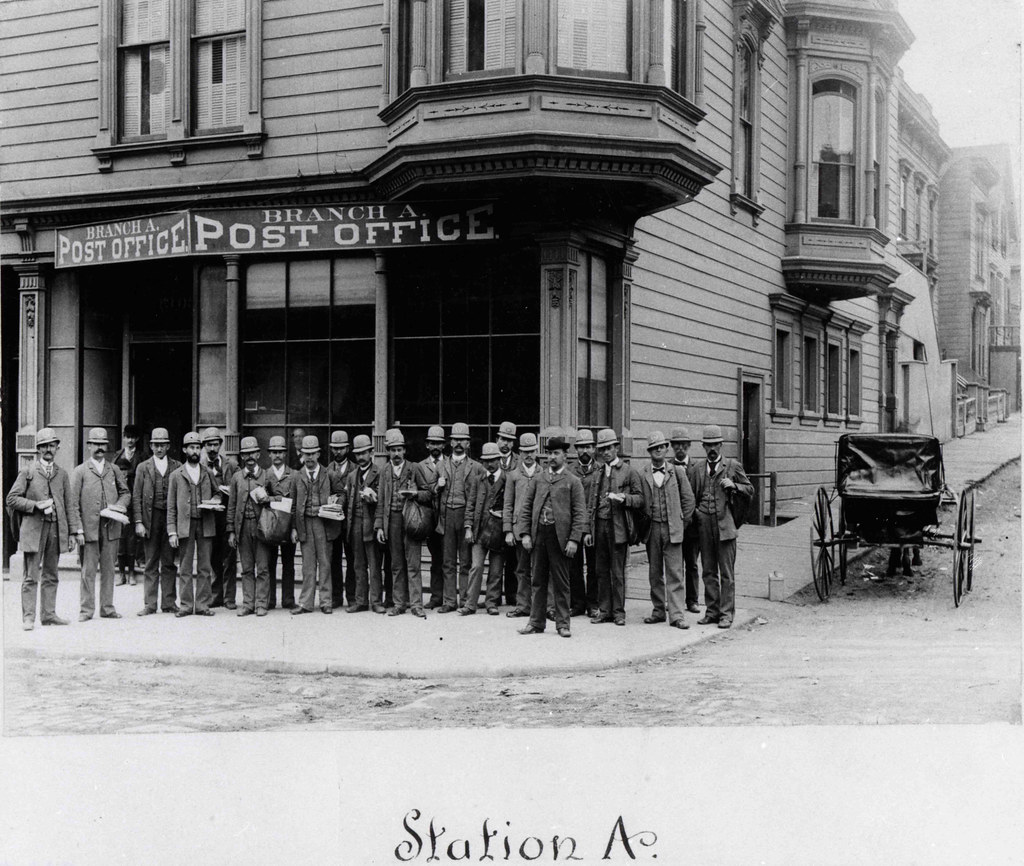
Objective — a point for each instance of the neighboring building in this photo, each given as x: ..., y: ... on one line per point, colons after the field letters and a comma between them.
x: 978, y: 283
x: 631, y: 213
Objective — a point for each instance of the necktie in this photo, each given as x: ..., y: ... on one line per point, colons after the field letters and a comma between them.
x: 490, y: 477
x: 659, y: 476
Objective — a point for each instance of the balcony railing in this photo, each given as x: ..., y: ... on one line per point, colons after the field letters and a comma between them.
x: 1004, y: 335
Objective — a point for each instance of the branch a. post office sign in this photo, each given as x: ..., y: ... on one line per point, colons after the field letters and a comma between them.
x: 228, y: 231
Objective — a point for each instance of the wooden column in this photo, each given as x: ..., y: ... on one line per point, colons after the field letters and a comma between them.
x: 803, y: 107
x: 232, y: 351
x: 621, y: 341
x: 418, y: 72
x: 31, y: 391
x: 870, y: 217
x: 387, y: 87
x: 382, y: 355
x: 559, y: 276
x: 535, y: 19
x: 656, y: 42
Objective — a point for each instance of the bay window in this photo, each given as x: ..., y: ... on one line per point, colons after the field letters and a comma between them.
x: 594, y: 37
x: 480, y: 35
x: 833, y: 150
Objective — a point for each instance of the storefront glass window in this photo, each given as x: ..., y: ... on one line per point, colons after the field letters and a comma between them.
x: 592, y: 350
x: 213, y: 304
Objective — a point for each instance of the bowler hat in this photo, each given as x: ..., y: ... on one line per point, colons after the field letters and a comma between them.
x: 310, y: 444
x: 191, y: 438
x: 393, y: 438
x: 584, y: 437
x: 159, y: 436
x: 607, y: 437
x: 557, y: 443
x: 97, y: 436
x: 490, y: 451
x: 712, y: 435
x: 46, y: 436
x: 528, y: 442
x: 339, y: 439
x: 656, y: 440
x: 679, y: 434
x: 507, y: 430
x: 435, y: 434
x: 249, y: 445
x: 131, y: 430
x: 277, y: 443
x: 360, y: 444
x: 211, y: 434
x: 460, y: 430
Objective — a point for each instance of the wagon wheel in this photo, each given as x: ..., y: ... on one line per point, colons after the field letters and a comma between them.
x: 969, y: 539
x: 843, y: 545
x: 822, y: 537
x: 963, y: 547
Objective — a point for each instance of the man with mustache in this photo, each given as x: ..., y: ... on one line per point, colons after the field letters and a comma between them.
x: 280, y: 485
x: 723, y: 492
x: 361, y: 496
x: 585, y: 596
x: 519, y: 479
x: 343, y: 580
x: 40, y: 501
x: 98, y: 485
x: 483, y: 530
x: 246, y: 500
x: 505, y: 440
x: 680, y: 441
x: 222, y: 555
x: 128, y: 460
x: 149, y: 507
x: 435, y: 543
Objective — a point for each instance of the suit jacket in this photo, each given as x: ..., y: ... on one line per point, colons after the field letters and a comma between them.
x: 679, y: 499
x: 443, y: 496
x: 179, y: 511
x: 328, y: 484
x: 32, y: 486
x: 692, y: 530
x: 145, y: 489
x: 411, y: 477
x: 129, y: 467
x: 565, y: 492
x: 241, y: 486
x: 283, y: 488
x: 515, y: 495
x: 587, y: 476
x: 486, y: 498
x: 369, y: 509
x: 624, y: 479
x: 513, y: 461
x: 335, y: 467
x: 92, y: 491
x: 739, y: 497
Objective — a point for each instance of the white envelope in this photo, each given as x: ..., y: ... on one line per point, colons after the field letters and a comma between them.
x: 119, y: 516
x: 284, y: 505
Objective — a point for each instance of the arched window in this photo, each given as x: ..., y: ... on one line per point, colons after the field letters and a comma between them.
x: 833, y: 179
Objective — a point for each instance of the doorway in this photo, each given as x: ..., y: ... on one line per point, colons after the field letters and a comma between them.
x: 751, y: 443
x: 160, y: 389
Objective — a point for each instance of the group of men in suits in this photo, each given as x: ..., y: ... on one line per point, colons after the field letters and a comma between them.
x: 561, y: 531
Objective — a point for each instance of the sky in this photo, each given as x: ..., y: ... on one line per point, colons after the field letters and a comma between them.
x: 965, y: 60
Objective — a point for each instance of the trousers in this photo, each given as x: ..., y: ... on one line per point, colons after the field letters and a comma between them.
x: 457, y: 556
x: 718, y: 559
x: 287, y: 552
x: 194, y: 544
x: 41, y: 572
x: 495, y: 578
x: 406, y: 564
x: 252, y: 553
x: 549, y: 562
x: 100, y: 553
x: 159, y: 579
x: 691, y: 550
x: 665, y: 572
x: 610, y: 564
x: 524, y: 581
x: 366, y: 558
x: 435, y: 546
x: 316, y: 558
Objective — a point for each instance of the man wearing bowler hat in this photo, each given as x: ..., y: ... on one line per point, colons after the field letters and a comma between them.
x: 401, y: 481
x: 315, y: 488
x: 668, y: 501
x: 361, y: 502
x: 483, y: 530
x: 281, y: 485
x: 617, y: 489
x: 509, y: 460
x: 552, y: 523
x: 128, y: 460
x: 435, y: 542
x: 723, y: 492
x: 149, y: 510
x: 96, y: 486
x: 247, y: 499
x: 585, y: 593
x: 518, y: 480
x: 191, y: 527
x: 456, y: 476
x: 679, y: 439
x: 343, y: 579
x: 39, y: 503
x: 222, y: 555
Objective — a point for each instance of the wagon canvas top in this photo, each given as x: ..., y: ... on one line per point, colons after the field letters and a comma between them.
x: 881, y: 465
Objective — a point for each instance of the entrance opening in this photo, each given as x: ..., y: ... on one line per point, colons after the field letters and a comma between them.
x: 161, y: 389
x: 750, y: 455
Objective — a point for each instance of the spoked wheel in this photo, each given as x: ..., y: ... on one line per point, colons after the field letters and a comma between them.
x: 843, y: 546
x: 821, y: 545
x: 963, y: 547
x: 970, y: 556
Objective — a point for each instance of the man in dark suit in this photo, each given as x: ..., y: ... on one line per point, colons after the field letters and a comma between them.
x: 315, y: 488
x: 149, y: 510
x: 505, y: 440
x: 516, y: 483
x: 343, y: 579
x: 435, y: 542
x: 401, y: 481
x: 222, y: 556
x: 248, y: 497
x: 98, y: 486
x: 552, y: 523
x: 585, y: 594
x: 668, y: 501
x: 361, y: 498
x: 722, y: 490
x: 679, y: 439
x: 39, y: 502
x: 617, y: 489
x: 295, y: 460
x: 191, y: 498
x: 483, y: 531
x: 280, y: 485
x: 128, y: 460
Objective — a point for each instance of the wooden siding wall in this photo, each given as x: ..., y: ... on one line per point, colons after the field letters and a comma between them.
x: 321, y: 94
x: 701, y: 287
x: 958, y: 196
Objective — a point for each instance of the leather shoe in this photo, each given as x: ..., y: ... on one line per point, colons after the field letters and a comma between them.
x: 492, y: 611
x: 206, y: 612
x: 54, y: 620
x: 296, y: 611
x: 182, y: 612
x: 84, y: 617
x: 650, y: 620
x: 529, y: 629
x: 512, y: 614
x: 230, y: 605
x: 379, y: 608
x: 445, y: 608
x: 418, y: 611
x: 396, y: 611
x: 693, y: 607
x: 707, y: 620
x: 580, y: 611
x: 114, y: 615
x: 28, y: 624
x: 551, y: 615
x: 679, y: 623
x: 261, y: 611
x: 287, y: 605
x: 430, y: 605
x: 466, y: 611
x: 145, y: 612
x: 357, y: 608
x: 725, y: 622
x: 619, y: 621
x: 564, y: 632
x: 172, y: 609
x: 600, y: 618
x: 244, y: 612
x: 325, y: 609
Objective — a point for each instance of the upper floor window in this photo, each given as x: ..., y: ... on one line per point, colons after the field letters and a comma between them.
x: 833, y: 180
x: 219, y: 70
x: 745, y: 123
x: 679, y: 48
x: 979, y: 244
x: 480, y: 35
x: 144, y: 59
x: 594, y: 37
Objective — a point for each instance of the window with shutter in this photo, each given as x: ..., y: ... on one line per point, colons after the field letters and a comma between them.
x: 594, y: 36
x: 480, y: 35
x: 144, y: 72
x: 219, y: 64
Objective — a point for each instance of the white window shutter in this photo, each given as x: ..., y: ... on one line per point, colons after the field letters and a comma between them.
x: 499, y: 34
x: 131, y: 94
x: 457, y: 35
x: 159, y: 88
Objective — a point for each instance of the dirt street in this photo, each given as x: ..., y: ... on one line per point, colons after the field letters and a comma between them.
x: 882, y: 651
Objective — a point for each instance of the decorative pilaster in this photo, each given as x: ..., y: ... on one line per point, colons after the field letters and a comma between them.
x: 559, y: 273
x: 534, y: 19
x: 387, y: 86
x: 31, y: 345
x: 621, y: 356
x: 656, y: 42
x: 700, y: 25
x: 380, y: 377
x: 870, y: 217
x: 803, y: 28
x: 232, y: 352
x: 418, y: 72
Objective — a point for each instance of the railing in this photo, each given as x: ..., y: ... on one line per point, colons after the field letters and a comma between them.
x: 773, y: 495
x: 966, y: 416
x: 1004, y: 335
x: 997, y: 405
